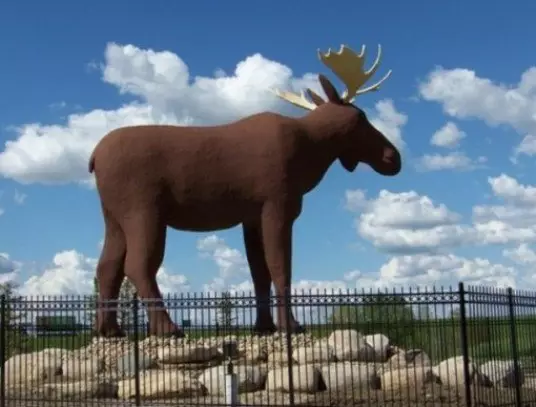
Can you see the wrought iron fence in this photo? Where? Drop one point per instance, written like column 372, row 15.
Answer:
column 466, row 346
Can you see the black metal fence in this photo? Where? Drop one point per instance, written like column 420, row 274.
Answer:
column 466, row 346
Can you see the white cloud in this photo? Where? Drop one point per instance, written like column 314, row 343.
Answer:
column 465, row 95
column 452, row 161
column 513, row 222
column 231, row 263
column 522, row 255
column 72, row 273
column 19, row 197
column 167, row 93
column 407, row 223
column 390, row 122
column 448, row 136
column 448, row 269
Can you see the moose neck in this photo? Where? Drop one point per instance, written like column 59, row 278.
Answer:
column 325, row 136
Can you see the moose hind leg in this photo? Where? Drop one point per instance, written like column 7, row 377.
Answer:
column 277, row 222
column 262, row 281
column 110, row 275
column 146, row 240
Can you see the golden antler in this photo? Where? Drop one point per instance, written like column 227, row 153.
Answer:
column 297, row 100
column 348, row 66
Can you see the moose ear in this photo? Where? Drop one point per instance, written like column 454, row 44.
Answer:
column 317, row 100
column 329, row 90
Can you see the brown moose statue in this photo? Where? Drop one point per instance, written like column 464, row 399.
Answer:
column 253, row 172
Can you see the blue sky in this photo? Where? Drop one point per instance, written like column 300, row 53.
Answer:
column 71, row 58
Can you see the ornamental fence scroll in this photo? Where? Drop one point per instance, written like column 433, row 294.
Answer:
column 467, row 346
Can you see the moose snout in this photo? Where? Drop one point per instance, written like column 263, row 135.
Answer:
column 391, row 160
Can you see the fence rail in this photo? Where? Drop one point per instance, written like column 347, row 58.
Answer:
column 468, row 346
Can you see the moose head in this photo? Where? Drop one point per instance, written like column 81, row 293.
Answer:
column 352, row 133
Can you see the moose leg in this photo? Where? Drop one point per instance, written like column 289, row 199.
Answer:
column 277, row 222
column 110, row 275
column 146, row 240
column 262, row 280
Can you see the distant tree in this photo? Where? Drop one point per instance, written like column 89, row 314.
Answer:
column 226, row 313
column 15, row 317
column 124, row 311
column 423, row 312
column 385, row 313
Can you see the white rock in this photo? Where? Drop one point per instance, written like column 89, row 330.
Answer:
column 409, row 358
column 250, row 378
column 451, row 372
column 187, row 354
column 32, row 367
column 160, row 384
column 77, row 369
column 410, row 379
column 313, row 354
column 379, row 344
column 79, row 390
column 345, row 375
column 306, row 379
column 279, row 358
column 346, row 344
column 501, row 373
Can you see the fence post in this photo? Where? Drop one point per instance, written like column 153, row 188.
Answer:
column 288, row 335
column 135, row 324
column 513, row 338
column 3, row 350
column 465, row 345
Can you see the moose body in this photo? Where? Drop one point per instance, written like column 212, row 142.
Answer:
column 253, row 172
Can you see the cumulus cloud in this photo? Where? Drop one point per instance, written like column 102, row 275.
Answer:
column 448, row 136
column 406, row 222
column 72, row 273
column 511, row 222
column 165, row 93
column 463, row 94
column 452, row 161
column 426, row 270
column 231, row 263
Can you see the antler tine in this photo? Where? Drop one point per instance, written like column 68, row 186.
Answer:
column 348, row 66
column 297, row 100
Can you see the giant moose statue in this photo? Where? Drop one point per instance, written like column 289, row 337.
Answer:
column 253, row 172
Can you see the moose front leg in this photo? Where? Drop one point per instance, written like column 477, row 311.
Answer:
column 276, row 224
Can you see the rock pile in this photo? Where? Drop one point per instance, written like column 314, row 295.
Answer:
column 188, row 368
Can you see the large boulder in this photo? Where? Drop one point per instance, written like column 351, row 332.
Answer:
column 279, row 358
column 306, row 379
column 78, row 390
column 407, row 381
column 318, row 353
column 28, row 368
column 409, row 358
column 378, row 347
column 187, row 354
column 344, row 376
column 451, row 372
column 79, row 369
column 347, row 344
column 501, row 373
column 126, row 364
column 250, row 378
column 161, row 384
